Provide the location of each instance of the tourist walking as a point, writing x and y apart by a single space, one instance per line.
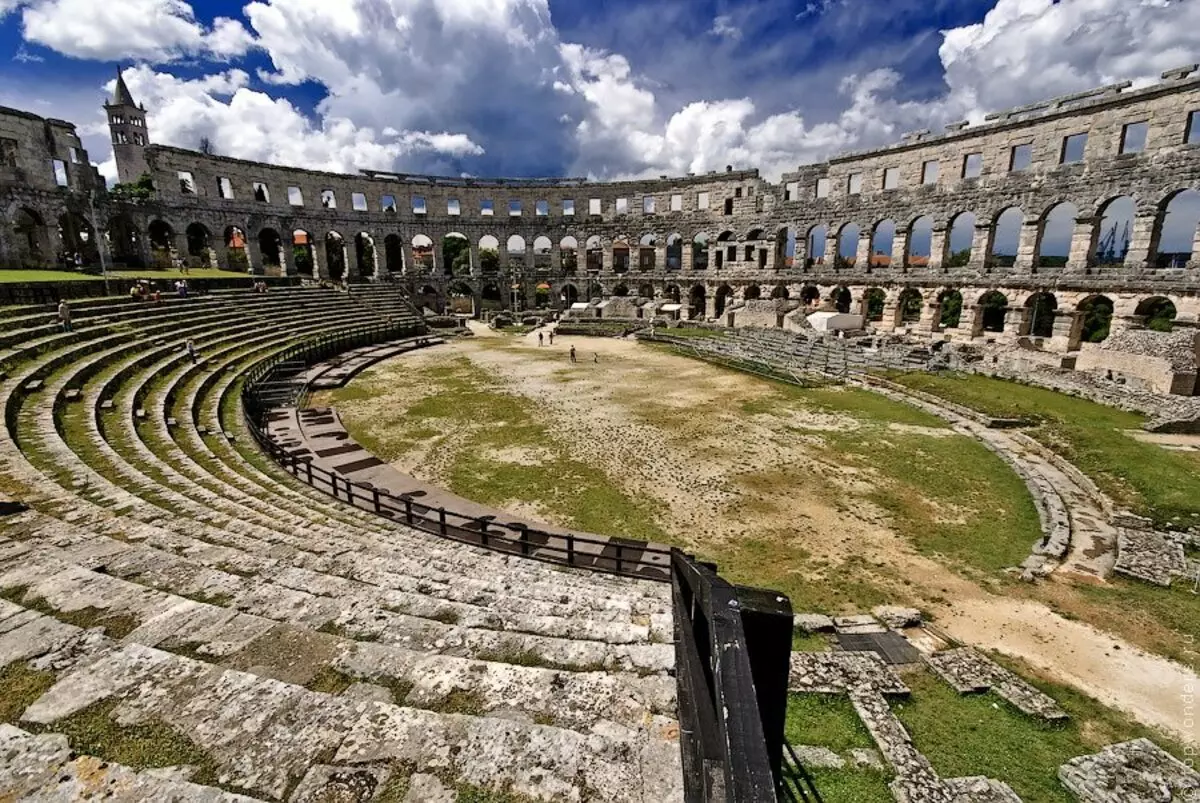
573 354
191 350
64 315
595 356
539 339
551 337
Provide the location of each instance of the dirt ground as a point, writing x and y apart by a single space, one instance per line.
710 476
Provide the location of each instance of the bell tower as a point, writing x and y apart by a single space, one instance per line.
127 124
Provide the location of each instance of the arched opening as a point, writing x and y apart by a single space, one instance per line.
817 236
1115 231
910 303
1157 313
29 234
646 291
124 241
460 299
302 253
724 292
726 250
1096 313
393 254
671 293
456 254
674 252
1176 230
595 254
752 293
1054 238
993 306
809 295
1041 308
620 251
841 299
958 245
235 249
785 248
199 244
780 292
78 241
1006 237
489 254
541 295
541 253
427 298
700 252
364 254
270 247
756 249
646 252
848 246
875 298
920 243
882 241
335 256
490 296
422 251
620 291
161 236
698 300
514 250
951 303
568 249
569 295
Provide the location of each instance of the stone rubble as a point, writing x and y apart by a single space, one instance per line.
968 672
1150 556
897 618
1138 771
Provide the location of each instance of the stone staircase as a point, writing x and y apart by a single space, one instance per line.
167 578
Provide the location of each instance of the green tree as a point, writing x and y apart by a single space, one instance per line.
489 260
951 309
457 255
959 259
140 190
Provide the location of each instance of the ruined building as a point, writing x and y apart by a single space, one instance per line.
1045 221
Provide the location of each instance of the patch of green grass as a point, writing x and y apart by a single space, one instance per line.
983 735
1161 484
803 641
467 702
20 687
329 681
852 785
477 794
116 625
825 720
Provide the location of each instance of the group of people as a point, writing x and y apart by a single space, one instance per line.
144 291
573 356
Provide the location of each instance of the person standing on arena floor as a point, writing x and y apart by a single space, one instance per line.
539 339
573 354
551 337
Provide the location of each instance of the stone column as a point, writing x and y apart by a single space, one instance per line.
439 257
1195 259
831 250
685 256
1027 247
931 318
320 268
981 245
862 256
254 258
710 305
476 268
287 259
974 313
1068 326
800 256
1082 242
660 258
937 249
606 259
1017 321
891 310
900 251
1143 244
410 266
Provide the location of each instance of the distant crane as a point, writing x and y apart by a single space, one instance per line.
1107 252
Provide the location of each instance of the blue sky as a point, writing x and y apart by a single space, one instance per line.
599 88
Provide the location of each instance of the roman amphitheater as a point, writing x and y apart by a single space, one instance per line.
881 482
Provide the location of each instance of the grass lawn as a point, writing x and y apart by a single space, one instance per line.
690 331
983 735
1154 482
829 720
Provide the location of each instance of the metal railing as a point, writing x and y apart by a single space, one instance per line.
276 383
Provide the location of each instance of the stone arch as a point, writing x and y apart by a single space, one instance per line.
569 294
620 255
427 297
393 254
726 249
162 238
646 290
993 309
621 290
235 249
1006 236
700 251
595 253
1095 318
1042 308
456 254
490 296
780 292
873 303
542 245
674 251
724 293
1177 230
816 239
950 303
1157 313
422 251
302 253
460 298
568 255
76 237
1055 229
270 248
671 292
809 295
335 256
848 245
199 243
489 254
29 235
647 254
883 239
365 255
752 293
515 246
785 248
1111 238
909 305
125 241
959 239
919 248
840 298
698 298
